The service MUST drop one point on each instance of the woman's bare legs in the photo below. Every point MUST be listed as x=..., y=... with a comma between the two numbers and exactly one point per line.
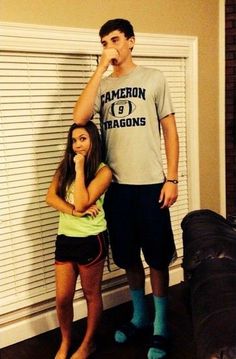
x=66, y=276
x=91, y=278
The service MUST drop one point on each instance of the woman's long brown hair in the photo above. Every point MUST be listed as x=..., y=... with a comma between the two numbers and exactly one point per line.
x=66, y=169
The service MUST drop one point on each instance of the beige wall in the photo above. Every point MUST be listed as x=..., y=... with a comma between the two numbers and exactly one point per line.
x=183, y=17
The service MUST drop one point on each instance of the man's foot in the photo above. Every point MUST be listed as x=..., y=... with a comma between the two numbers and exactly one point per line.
x=128, y=332
x=159, y=347
x=84, y=351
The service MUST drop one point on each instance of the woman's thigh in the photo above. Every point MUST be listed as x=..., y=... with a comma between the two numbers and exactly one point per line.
x=66, y=274
x=91, y=277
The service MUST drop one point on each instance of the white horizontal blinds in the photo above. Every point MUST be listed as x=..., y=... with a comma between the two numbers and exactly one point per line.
x=37, y=93
x=174, y=70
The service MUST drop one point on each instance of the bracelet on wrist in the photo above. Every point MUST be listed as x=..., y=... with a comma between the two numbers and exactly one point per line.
x=175, y=181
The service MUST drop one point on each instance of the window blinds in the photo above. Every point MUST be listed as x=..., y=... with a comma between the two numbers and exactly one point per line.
x=37, y=95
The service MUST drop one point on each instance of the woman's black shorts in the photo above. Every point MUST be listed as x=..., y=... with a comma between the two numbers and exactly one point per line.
x=82, y=250
x=136, y=221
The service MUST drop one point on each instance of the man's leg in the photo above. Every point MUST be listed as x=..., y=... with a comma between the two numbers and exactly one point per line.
x=158, y=248
x=160, y=283
x=140, y=318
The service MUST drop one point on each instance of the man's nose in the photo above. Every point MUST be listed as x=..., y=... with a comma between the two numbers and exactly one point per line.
x=110, y=46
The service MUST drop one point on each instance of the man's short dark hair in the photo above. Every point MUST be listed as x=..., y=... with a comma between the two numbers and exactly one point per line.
x=122, y=25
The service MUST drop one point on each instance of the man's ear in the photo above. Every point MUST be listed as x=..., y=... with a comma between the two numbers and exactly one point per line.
x=131, y=42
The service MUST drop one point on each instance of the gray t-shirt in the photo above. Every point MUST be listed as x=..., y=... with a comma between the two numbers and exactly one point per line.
x=130, y=109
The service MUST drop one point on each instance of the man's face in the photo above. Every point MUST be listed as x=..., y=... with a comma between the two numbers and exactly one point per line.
x=117, y=40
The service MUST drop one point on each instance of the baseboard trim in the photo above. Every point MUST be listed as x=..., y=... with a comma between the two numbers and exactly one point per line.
x=43, y=322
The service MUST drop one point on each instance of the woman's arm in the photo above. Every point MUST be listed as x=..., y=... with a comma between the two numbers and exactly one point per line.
x=55, y=201
x=84, y=196
x=61, y=205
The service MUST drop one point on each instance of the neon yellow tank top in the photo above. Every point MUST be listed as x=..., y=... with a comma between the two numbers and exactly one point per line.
x=73, y=226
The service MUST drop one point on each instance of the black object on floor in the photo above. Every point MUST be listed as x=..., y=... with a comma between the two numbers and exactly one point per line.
x=210, y=271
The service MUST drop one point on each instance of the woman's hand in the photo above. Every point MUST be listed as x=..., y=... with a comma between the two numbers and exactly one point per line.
x=91, y=211
x=79, y=160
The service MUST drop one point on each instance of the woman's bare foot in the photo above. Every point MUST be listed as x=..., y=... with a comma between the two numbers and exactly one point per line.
x=84, y=351
x=63, y=351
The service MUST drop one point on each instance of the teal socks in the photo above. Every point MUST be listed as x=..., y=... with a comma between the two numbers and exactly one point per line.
x=140, y=317
x=140, y=313
x=160, y=325
x=160, y=321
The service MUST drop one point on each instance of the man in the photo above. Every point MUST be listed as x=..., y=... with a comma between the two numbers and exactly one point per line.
x=133, y=103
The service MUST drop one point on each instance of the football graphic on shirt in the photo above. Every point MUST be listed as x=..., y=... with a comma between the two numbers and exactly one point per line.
x=122, y=108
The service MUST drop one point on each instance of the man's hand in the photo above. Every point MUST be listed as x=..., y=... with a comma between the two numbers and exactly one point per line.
x=169, y=194
x=109, y=56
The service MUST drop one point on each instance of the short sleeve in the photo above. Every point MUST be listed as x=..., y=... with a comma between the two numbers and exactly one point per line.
x=163, y=98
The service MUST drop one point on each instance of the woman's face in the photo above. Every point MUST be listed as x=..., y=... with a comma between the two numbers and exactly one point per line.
x=81, y=142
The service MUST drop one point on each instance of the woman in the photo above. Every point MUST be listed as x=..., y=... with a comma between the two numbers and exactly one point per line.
x=77, y=192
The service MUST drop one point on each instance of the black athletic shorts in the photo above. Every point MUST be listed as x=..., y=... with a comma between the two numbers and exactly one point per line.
x=136, y=221
x=82, y=250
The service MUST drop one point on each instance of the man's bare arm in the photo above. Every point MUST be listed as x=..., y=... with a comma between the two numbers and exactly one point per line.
x=84, y=106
